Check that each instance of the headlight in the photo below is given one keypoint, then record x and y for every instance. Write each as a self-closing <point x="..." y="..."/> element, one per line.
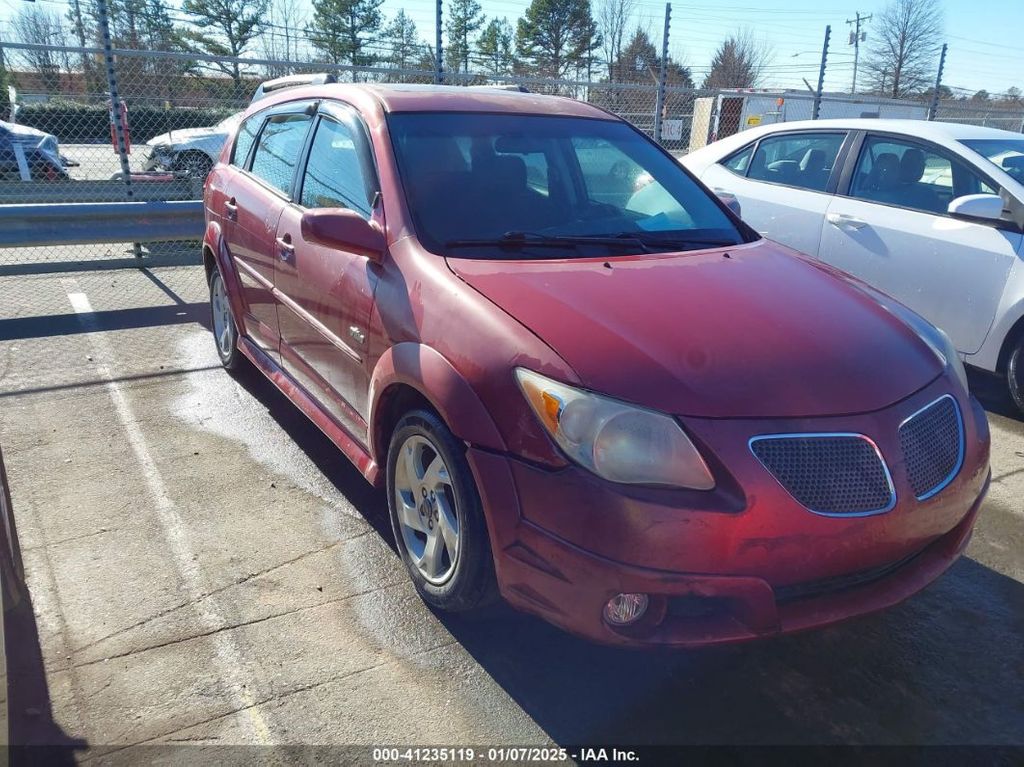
<point x="618" y="442"/>
<point x="935" y="337"/>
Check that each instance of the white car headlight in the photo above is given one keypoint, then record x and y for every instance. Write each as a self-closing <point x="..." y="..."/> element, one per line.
<point x="618" y="442"/>
<point x="935" y="337"/>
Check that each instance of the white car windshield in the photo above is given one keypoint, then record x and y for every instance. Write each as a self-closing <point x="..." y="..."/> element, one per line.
<point x="1005" y="153"/>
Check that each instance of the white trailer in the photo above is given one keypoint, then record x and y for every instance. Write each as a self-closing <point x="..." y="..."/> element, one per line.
<point x="730" y="112"/>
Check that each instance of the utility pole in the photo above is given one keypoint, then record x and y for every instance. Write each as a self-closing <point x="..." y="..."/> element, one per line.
<point x="934" y="108"/>
<point x="856" y="38"/>
<point x="821" y="73"/>
<point x="659" y="106"/>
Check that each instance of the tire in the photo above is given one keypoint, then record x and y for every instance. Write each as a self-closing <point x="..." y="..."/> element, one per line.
<point x="1015" y="373"/>
<point x="449" y="581"/>
<point x="193" y="164"/>
<point x="225" y="331"/>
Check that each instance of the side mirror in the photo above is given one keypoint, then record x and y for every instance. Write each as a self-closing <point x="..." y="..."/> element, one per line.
<point x="988" y="207"/>
<point x="731" y="202"/>
<point x="344" y="229"/>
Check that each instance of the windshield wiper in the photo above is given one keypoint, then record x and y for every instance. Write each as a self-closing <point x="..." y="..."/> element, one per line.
<point x="535" y="240"/>
<point x="675" y="240"/>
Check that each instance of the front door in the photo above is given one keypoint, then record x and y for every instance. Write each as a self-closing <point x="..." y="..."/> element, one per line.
<point x="326" y="294"/>
<point x="893" y="232"/>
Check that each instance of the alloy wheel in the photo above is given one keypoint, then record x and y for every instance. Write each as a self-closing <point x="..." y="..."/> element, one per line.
<point x="427" y="512"/>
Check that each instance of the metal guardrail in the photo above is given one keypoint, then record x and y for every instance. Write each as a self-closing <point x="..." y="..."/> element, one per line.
<point x="23" y="192"/>
<point x="90" y="223"/>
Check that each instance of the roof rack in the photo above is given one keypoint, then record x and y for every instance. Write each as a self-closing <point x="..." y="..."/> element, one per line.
<point x="292" y="81"/>
<point x="500" y="87"/>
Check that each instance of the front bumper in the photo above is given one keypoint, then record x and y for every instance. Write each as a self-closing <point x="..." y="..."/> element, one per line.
<point x="752" y="564"/>
<point x="158" y="159"/>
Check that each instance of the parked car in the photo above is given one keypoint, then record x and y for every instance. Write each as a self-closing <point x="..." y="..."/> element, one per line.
<point x="191" y="151"/>
<point x="649" y="426"/>
<point x="42" y="158"/>
<point x="930" y="213"/>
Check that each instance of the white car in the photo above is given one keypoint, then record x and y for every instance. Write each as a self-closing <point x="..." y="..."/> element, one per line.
<point x="192" y="151"/>
<point x="930" y="213"/>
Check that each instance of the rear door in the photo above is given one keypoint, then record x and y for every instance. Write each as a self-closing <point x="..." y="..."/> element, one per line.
<point x="784" y="183"/>
<point x="889" y="227"/>
<point x="256" y="198"/>
<point x="326" y="294"/>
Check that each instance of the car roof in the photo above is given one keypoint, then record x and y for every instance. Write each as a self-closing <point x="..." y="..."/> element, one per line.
<point x="450" y="98"/>
<point x="935" y="131"/>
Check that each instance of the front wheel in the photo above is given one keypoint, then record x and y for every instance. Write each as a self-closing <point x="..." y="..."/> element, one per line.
<point x="437" y="516"/>
<point x="1015" y="373"/>
<point x="194" y="164"/>
<point x="225" y="332"/>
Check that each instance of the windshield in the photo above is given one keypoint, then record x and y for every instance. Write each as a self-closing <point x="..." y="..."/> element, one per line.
<point x="541" y="187"/>
<point x="1004" y="153"/>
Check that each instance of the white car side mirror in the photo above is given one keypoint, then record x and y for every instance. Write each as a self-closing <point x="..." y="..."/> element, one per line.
<point x="984" y="206"/>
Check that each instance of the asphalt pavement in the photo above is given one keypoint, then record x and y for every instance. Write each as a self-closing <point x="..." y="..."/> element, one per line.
<point x="206" y="569"/>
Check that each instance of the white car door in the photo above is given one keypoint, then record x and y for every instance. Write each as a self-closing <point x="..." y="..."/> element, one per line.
<point x="782" y="184"/>
<point x="891" y="229"/>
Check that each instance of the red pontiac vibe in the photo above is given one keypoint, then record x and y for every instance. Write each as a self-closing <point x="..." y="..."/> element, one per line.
<point x="586" y="384"/>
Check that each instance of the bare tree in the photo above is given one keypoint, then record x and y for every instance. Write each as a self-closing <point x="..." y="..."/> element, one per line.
<point x="612" y="19"/>
<point x="39" y="26"/>
<point x="902" y="59"/>
<point x="739" y="62"/>
<point x="280" y="39"/>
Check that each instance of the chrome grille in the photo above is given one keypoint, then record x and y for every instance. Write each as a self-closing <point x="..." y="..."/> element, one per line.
<point x="932" y="441"/>
<point x="834" y="474"/>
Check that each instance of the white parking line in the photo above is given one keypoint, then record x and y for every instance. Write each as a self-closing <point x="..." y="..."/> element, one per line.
<point x="228" y="658"/>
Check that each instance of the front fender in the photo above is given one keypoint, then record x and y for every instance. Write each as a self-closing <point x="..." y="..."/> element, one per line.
<point x="435" y="378"/>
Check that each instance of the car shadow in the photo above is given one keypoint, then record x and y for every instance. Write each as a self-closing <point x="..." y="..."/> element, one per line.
<point x="991" y="391"/>
<point x="945" y="667"/>
<point x="35" y="738"/>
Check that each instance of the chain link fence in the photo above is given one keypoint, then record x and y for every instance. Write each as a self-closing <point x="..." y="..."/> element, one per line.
<point x="178" y="109"/>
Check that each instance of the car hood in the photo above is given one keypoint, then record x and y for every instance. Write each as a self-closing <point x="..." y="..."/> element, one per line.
<point x="752" y="331"/>
<point x="187" y="135"/>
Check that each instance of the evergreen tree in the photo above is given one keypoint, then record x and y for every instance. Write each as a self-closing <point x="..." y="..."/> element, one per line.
<point x="225" y="28"/>
<point x="496" y="46"/>
<point x="639" y="62"/>
<point x="402" y="41"/>
<point x="737" y="63"/>
<point x="341" y="29"/>
<point x="555" y="36"/>
<point x="464" y="19"/>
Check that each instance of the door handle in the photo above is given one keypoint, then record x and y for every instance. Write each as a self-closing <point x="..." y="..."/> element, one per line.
<point x="842" y="219"/>
<point x="231" y="207"/>
<point x="285" y="249"/>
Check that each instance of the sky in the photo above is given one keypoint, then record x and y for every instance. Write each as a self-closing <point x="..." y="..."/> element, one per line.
<point x="984" y="37"/>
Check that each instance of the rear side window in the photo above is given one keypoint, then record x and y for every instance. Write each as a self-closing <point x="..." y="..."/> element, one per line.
<point x="245" y="139"/>
<point x="334" y="176"/>
<point x="739" y="162"/>
<point x="801" y="160"/>
<point x="278" y="150"/>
